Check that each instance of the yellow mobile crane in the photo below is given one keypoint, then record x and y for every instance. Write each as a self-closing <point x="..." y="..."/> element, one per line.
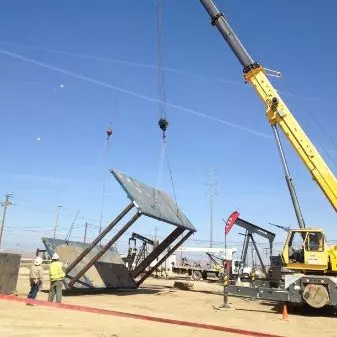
<point x="306" y="271"/>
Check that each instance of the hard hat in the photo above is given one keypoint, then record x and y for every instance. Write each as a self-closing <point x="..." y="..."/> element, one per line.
<point x="55" y="256"/>
<point x="38" y="261"/>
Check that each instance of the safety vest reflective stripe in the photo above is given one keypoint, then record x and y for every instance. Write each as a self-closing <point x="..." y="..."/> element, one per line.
<point x="56" y="272"/>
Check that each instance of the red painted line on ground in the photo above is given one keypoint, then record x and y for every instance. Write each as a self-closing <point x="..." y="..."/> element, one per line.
<point x="136" y="316"/>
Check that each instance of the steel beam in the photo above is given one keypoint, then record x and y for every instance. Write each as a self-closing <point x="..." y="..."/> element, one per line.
<point x="157" y="251"/>
<point x="253" y="229"/>
<point x="226" y="31"/>
<point x="171" y="251"/>
<point x="259" y="256"/>
<point x="99" y="238"/>
<point x="245" y="249"/>
<point x="104" y="249"/>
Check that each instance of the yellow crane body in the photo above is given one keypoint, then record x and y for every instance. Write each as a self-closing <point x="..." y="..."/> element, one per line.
<point x="306" y="270"/>
<point x="279" y="114"/>
<point x="323" y="261"/>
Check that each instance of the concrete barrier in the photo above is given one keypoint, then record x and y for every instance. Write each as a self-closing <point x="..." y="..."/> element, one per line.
<point x="9" y="271"/>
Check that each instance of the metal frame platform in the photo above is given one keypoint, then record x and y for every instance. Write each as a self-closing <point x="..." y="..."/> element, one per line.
<point x="146" y="201"/>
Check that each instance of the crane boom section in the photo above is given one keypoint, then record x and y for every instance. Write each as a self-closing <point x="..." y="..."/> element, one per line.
<point x="277" y="111"/>
<point x="279" y="114"/>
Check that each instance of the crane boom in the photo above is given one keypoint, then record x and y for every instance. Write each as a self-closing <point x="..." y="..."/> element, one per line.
<point x="277" y="112"/>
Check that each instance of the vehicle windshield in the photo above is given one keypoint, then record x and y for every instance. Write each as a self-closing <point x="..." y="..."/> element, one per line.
<point x="314" y="242"/>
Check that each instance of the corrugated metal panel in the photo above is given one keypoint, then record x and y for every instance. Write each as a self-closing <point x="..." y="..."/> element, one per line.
<point x="108" y="272"/>
<point x="153" y="202"/>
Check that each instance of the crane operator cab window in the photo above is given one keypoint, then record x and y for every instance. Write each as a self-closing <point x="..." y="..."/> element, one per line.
<point x="296" y="247"/>
<point x="314" y="242"/>
<point x="307" y="247"/>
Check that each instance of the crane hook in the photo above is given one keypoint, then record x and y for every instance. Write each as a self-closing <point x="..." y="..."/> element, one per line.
<point x="163" y="124"/>
<point x="108" y="132"/>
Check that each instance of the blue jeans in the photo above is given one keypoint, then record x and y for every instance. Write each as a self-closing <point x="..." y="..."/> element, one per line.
<point x="34" y="289"/>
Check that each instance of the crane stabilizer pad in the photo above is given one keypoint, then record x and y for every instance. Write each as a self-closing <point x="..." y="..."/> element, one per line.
<point x="152" y="202"/>
<point x="108" y="272"/>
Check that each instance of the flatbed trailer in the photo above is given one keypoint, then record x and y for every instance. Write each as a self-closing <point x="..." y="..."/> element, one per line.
<point x="197" y="273"/>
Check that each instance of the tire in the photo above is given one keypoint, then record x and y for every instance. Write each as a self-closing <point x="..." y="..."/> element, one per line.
<point x="204" y="275"/>
<point x="316" y="295"/>
<point x="197" y="275"/>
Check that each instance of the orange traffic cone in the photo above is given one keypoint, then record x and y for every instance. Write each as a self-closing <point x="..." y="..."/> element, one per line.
<point x="285" y="312"/>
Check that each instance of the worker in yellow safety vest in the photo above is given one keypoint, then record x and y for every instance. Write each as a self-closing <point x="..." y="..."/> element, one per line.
<point x="56" y="276"/>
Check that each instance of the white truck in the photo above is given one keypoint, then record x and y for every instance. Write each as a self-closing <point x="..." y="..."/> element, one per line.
<point x="198" y="271"/>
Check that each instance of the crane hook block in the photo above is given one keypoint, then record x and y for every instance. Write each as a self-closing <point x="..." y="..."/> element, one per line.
<point x="163" y="124"/>
<point x="109" y="132"/>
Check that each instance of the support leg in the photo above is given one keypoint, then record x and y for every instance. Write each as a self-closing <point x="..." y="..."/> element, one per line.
<point x="157" y="251"/>
<point x="104" y="249"/>
<point x="99" y="238"/>
<point x="164" y="258"/>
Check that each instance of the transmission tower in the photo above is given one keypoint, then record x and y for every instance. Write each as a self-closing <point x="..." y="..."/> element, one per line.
<point x="212" y="193"/>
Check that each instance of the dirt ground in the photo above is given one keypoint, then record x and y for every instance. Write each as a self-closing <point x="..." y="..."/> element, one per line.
<point x="157" y="298"/>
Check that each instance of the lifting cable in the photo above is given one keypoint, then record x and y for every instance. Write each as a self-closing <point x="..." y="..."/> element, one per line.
<point x="105" y="159"/>
<point x="325" y="133"/>
<point x="313" y="121"/>
<point x="163" y="122"/>
<point x="105" y="155"/>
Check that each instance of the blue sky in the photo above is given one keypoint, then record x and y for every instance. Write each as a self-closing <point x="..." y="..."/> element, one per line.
<point x="70" y="106"/>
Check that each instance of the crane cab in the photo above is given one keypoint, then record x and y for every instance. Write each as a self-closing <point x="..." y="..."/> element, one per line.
<point x="305" y="249"/>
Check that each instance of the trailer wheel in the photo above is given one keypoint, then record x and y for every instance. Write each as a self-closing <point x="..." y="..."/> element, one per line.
<point x="316" y="295"/>
<point x="196" y="275"/>
<point x="204" y="275"/>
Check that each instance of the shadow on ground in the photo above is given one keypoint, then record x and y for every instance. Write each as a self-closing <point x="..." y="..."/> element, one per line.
<point x="107" y="291"/>
<point x="296" y="310"/>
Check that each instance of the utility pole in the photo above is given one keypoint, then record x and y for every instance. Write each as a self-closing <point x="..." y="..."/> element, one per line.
<point x="85" y="232"/>
<point x="212" y="193"/>
<point x="57" y="219"/>
<point x="5" y="204"/>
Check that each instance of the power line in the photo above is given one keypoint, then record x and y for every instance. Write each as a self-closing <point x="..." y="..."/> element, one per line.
<point x="149" y="66"/>
<point x="130" y="92"/>
<point x="128" y="63"/>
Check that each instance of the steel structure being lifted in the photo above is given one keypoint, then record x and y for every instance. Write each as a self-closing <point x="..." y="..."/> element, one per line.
<point x="95" y="266"/>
